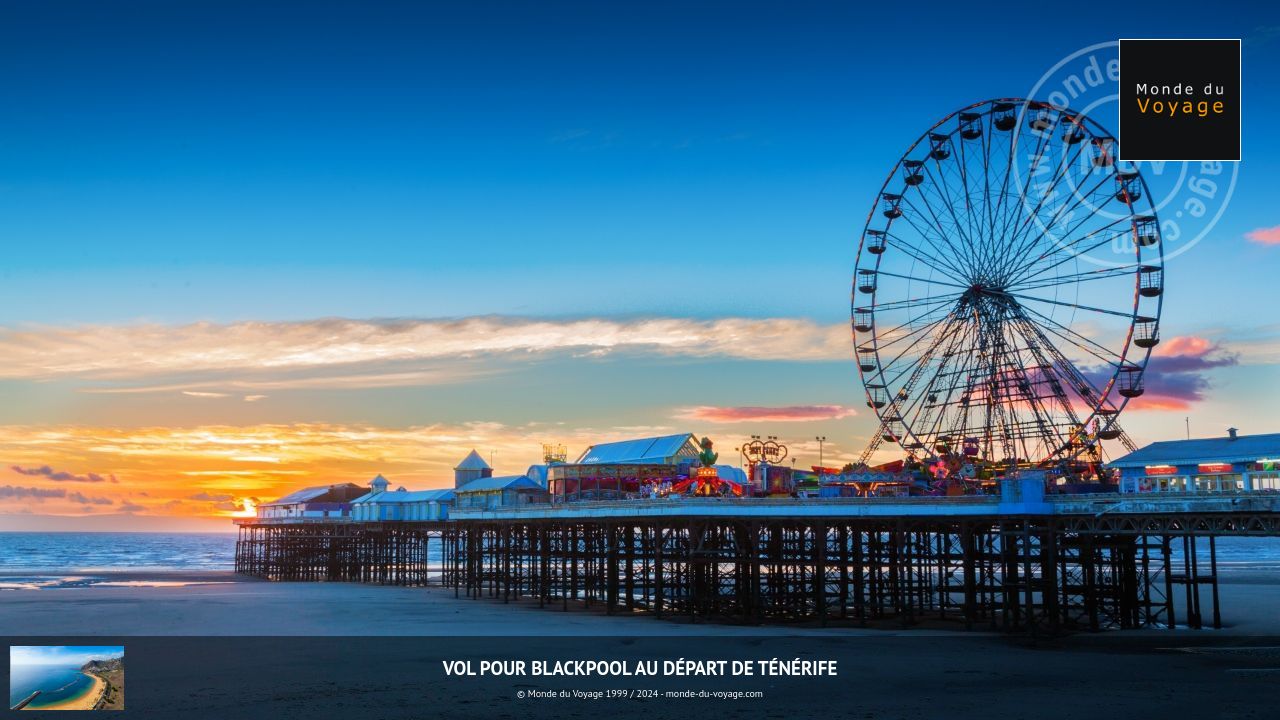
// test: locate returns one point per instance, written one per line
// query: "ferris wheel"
(1008, 287)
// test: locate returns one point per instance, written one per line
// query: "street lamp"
(821, 439)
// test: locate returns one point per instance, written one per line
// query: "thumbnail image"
(72, 677)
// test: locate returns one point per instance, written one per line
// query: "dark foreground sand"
(885, 673)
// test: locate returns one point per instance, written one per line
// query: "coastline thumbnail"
(66, 677)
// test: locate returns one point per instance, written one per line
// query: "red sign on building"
(1214, 468)
(1161, 470)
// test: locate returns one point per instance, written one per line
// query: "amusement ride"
(1007, 294)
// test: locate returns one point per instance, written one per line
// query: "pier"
(26, 701)
(1006, 563)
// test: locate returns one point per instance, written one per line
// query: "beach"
(86, 701)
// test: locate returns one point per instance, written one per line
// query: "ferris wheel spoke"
(969, 202)
(1000, 212)
(938, 251)
(1082, 385)
(917, 365)
(989, 140)
(948, 201)
(1077, 306)
(1043, 417)
(940, 177)
(937, 224)
(1063, 171)
(1083, 342)
(918, 403)
(1051, 372)
(916, 336)
(1096, 208)
(1079, 277)
(902, 304)
(891, 372)
(1018, 207)
(1017, 275)
(963, 167)
(891, 240)
(931, 281)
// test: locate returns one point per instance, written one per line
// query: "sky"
(255, 246)
(62, 654)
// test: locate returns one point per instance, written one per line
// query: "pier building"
(497, 492)
(1232, 463)
(319, 502)
(381, 504)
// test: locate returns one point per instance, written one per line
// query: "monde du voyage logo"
(1180, 100)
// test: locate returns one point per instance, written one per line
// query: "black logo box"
(1163, 72)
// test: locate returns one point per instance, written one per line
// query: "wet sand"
(225, 604)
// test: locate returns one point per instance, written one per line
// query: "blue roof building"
(492, 492)
(1222, 464)
(403, 505)
(664, 450)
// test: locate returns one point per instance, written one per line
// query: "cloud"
(1265, 236)
(83, 499)
(200, 394)
(358, 378)
(12, 492)
(173, 464)
(61, 476)
(1175, 375)
(130, 507)
(789, 413)
(209, 360)
(206, 497)
(253, 398)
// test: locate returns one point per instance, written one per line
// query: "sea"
(35, 560)
(56, 683)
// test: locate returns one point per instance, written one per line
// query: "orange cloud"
(1265, 236)
(1159, 403)
(1189, 345)
(219, 470)
(789, 413)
